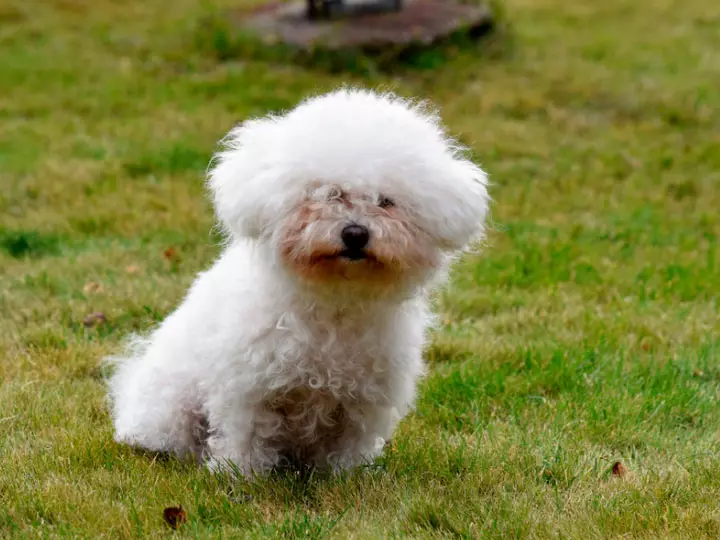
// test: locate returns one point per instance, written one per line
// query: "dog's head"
(349, 188)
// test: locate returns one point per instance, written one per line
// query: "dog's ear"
(449, 199)
(466, 204)
(242, 180)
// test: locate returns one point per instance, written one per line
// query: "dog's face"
(337, 234)
(353, 188)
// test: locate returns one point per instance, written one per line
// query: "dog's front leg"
(236, 442)
(372, 424)
(243, 434)
(362, 440)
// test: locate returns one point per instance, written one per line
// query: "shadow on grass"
(28, 243)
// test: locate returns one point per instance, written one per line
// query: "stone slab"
(419, 22)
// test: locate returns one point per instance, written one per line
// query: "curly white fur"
(286, 349)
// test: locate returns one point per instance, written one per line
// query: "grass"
(585, 334)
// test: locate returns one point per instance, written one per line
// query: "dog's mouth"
(353, 254)
(347, 255)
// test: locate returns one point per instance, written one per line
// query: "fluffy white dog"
(303, 341)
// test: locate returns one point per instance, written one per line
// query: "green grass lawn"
(584, 334)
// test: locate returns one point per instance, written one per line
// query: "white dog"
(303, 341)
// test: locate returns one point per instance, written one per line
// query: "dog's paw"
(220, 465)
(229, 466)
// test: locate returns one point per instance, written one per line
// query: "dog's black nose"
(355, 236)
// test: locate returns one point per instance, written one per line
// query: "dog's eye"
(385, 202)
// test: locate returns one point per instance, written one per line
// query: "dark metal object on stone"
(327, 9)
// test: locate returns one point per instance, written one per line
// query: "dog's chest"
(336, 358)
(308, 416)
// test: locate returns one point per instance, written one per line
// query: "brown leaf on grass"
(94, 319)
(618, 469)
(92, 287)
(170, 254)
(132, 269)
(175, 516)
